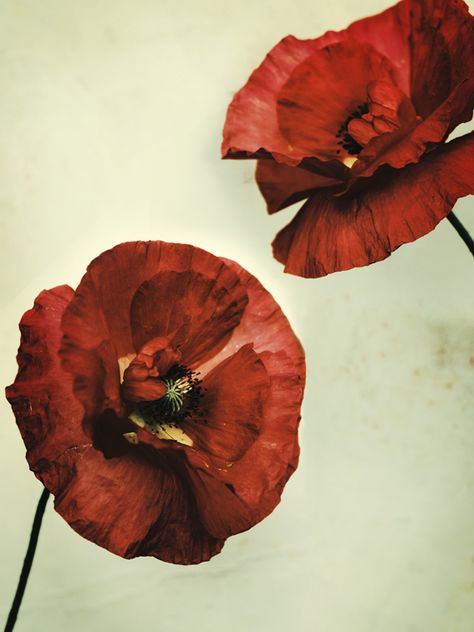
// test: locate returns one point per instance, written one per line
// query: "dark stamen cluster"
(181, 401)
(347, 142)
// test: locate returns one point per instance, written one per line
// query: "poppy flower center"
(181, 400)
(346, 140)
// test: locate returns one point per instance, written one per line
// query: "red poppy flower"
(355, 122)
(160, 401)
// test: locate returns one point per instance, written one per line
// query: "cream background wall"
(110, 127)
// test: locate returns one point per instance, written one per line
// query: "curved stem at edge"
(28, 561)
(462, 232)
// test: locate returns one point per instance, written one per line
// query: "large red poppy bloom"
(160, 401)
(355, 122)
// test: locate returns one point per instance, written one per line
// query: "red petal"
(409, 143)
(338, 233)
(442, 51)
(235, 392)
(323, 92)
(222, 511)
(141, 381)
(196, 312)
(281, 185)
(142, 390)
(389, 103)
(258, 478)
(137, 505)
(48, 415)
(388, 32)
(251, 126)
(162, 289)
(361, 131)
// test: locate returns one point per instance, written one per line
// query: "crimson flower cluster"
(355, 123)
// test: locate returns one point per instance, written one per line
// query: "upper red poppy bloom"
(160, 401)
(356, 122)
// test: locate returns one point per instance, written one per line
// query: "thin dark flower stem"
(28, 561)
(462, 232)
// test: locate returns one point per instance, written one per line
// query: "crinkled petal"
(47, 413)
(442, 52)
(137, 505)
(251, 128)
(430, 43)
(196, 312)
(388, 32)
(137, 291)
(234, 395)
(282, 185)
(390, 110)
(323, 92)
(222, 511)
(259, 476)
(407, 144)
(337, 233)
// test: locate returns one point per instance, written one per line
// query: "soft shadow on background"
(110, 131)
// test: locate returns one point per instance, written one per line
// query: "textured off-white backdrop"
(110, 125)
